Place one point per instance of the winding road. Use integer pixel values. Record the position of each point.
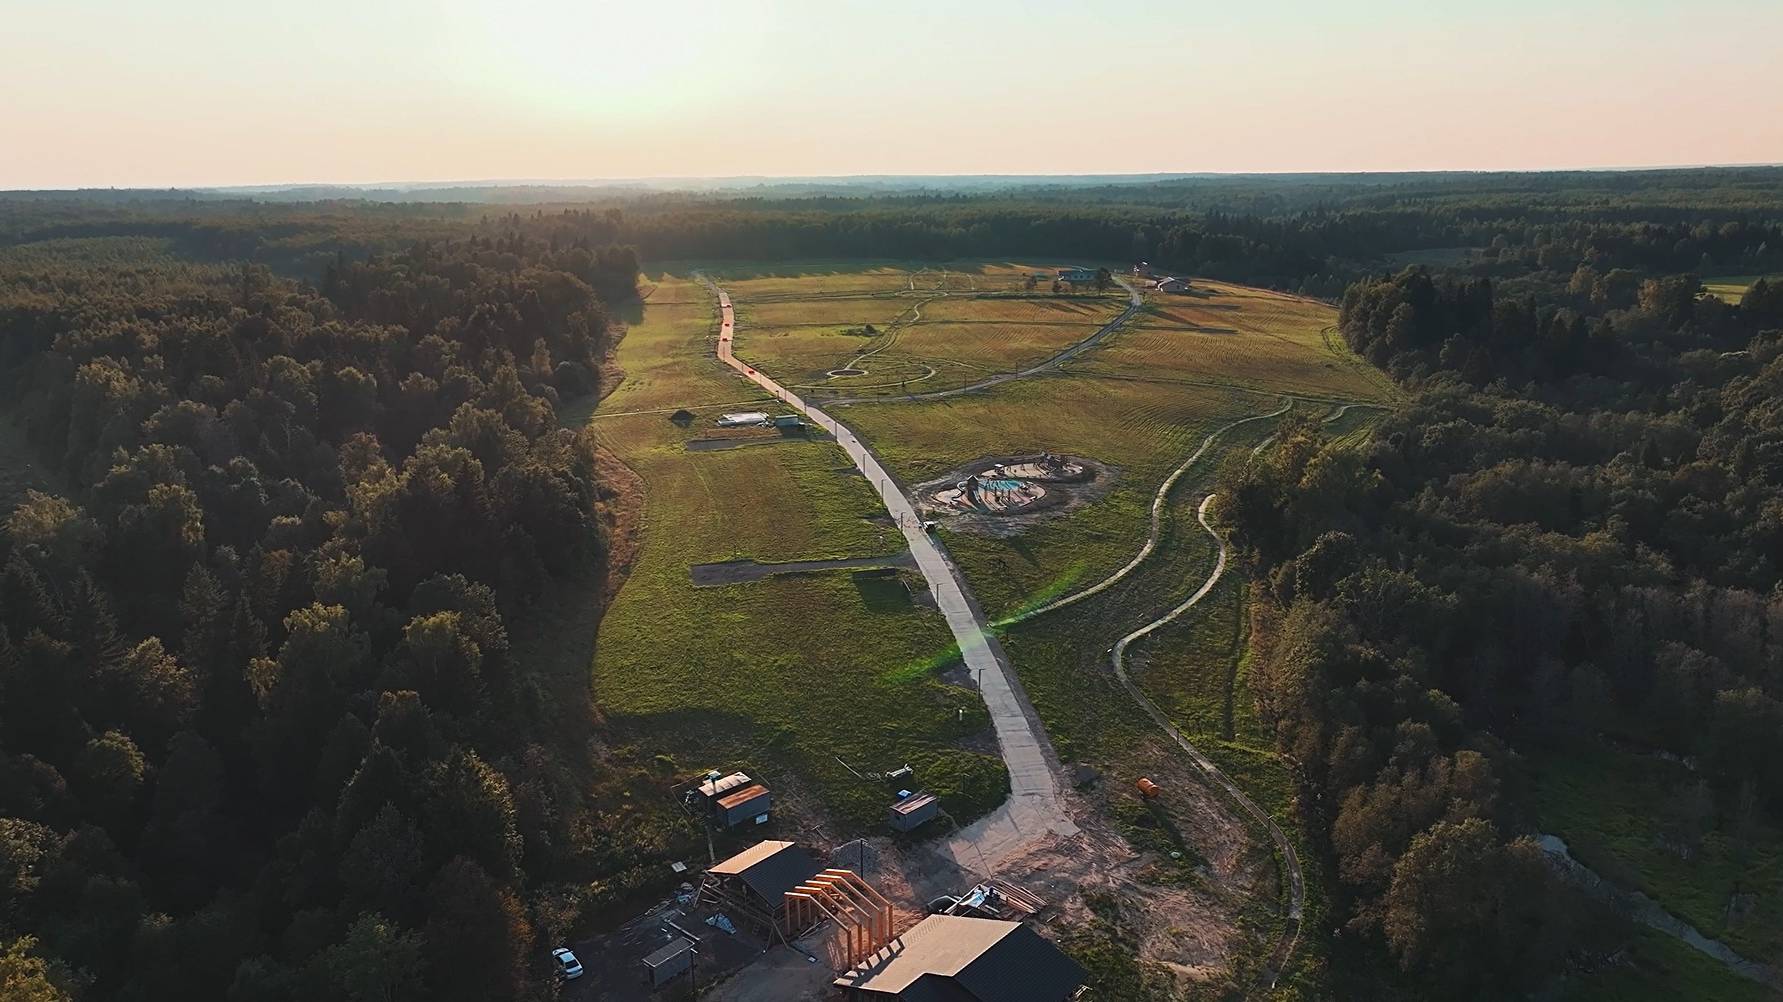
(1034, 806)
(1283, 845)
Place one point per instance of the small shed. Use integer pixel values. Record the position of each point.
(912, 811)
(787, 421)
(672, 960)
(738, 806)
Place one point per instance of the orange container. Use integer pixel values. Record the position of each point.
(1149, 788)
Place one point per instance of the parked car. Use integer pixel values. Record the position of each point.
(567, 964)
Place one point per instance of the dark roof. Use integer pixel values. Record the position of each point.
(770, 869)
(952, 958)
(668, 952)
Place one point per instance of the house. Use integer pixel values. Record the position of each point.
(1143, 270)
(951, 958)
(1173, 285)
(751, 886)
(1076, 275)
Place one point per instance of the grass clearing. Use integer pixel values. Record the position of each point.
(1602, 801)
(788, 673)
(1731, 289)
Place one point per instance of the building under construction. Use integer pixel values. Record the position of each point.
(779, 890)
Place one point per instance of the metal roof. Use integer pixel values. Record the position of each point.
(668, 953)
(717, 787)
(742, 796)
(982, 960)
(770, 869)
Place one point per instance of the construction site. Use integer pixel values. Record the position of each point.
(1005, 490)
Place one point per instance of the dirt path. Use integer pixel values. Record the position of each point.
(1134, 303)
(1290, 859)
(1035, 806)
(1151, 541)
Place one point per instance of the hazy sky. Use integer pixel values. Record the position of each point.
(191, 92)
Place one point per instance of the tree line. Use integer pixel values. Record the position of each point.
(262, 735)
(1570, 529)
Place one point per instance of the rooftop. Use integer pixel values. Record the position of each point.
(770, 869)
(959, 959)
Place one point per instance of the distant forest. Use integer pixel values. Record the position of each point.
(299, 476)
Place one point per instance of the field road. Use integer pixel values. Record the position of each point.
(1290, 859)
(1034, 806)
(1134, 303)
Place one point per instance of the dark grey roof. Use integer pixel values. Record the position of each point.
(1021, 967)
(669, 952)
(935, 988)
(771, 868)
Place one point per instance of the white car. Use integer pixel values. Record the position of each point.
(567, 964)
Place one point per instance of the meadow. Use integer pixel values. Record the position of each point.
(1732, 288)
(791, 675)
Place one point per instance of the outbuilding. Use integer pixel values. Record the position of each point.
(912, 811)
(1173, 285)
(669, 962)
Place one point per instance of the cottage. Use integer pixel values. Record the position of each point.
(965, 960)
(1076, 275)
(1173, 285)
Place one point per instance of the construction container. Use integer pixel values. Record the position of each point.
(1149, 789)
(742, 805)
(913, 810)
(672, 960)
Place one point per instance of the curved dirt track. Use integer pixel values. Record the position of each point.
(1290, 859)
(1151, 541)
(1134, 302)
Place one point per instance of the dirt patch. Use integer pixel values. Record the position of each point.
(622, 509)
(1060, 498)
(732, 572)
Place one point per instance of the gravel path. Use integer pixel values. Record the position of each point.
(1034, 807)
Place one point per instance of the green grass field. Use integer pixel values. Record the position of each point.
(797, 671)
(784, 674)
(1610, 807)
(1732, 288)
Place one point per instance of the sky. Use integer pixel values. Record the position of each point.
(197, 93)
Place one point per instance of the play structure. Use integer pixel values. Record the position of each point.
(1011, 488)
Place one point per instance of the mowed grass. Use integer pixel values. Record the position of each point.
(1243, 337)
(790, 675)
(1731, 289)
(1602, 801)
(1142, 430)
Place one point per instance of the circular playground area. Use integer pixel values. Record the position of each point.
(998, 494)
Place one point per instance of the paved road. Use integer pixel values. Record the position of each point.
(1034, 806)
(1290, 859)
(1135, 302)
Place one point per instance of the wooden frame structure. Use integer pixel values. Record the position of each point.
(843, 897)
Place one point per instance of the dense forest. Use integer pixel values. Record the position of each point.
(1574, 527)
(263, 735)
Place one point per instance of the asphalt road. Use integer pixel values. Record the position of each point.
(1034, 806)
